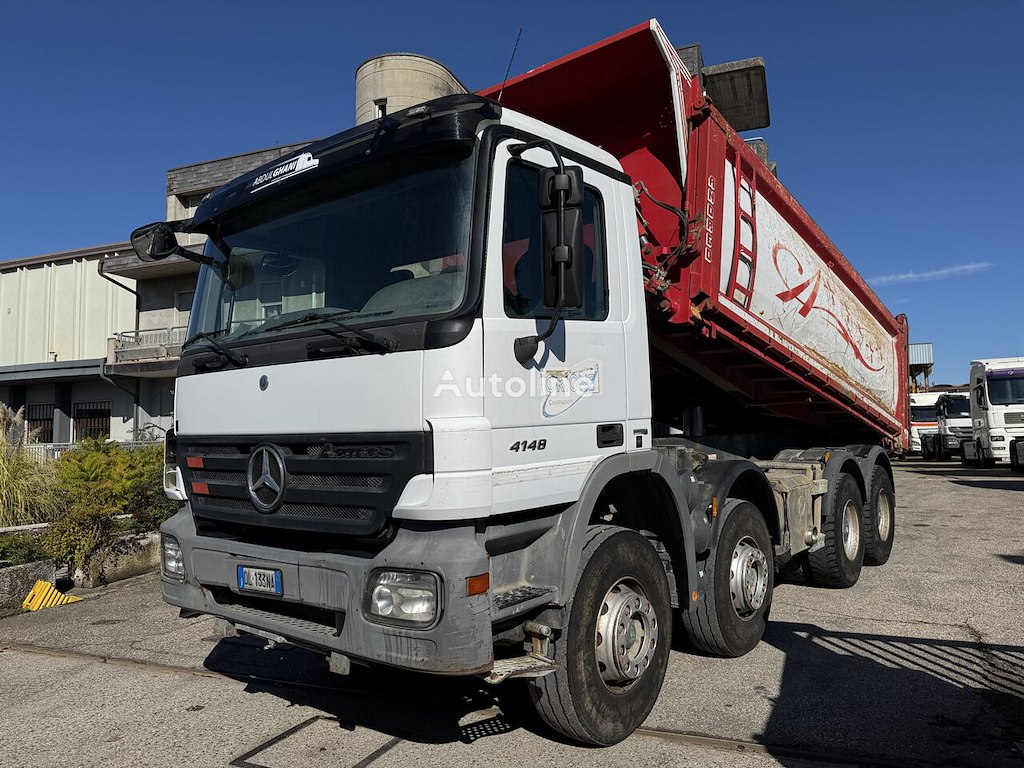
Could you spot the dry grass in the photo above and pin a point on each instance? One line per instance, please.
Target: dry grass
(28, 488)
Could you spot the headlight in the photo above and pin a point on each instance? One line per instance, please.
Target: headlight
(997, 438)
(172, 561)
(402, 597)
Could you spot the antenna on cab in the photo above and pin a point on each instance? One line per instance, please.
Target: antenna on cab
(509, 68)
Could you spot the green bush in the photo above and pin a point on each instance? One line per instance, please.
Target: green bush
(100, 481)
(21, 548)
(28, 488)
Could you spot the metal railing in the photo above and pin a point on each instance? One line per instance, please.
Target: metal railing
(51, 451)
(150, 338)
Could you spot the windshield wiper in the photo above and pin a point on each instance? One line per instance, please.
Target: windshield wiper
(238, 360)
(381, 344)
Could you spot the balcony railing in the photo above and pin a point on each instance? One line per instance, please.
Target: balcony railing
(150, 338)
(155, 344)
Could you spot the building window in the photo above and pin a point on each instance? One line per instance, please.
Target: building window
(39, 421)
(191, 202)
(92, 420)
(182, 307)
(382, 107)
(522, 266)
(271, 298)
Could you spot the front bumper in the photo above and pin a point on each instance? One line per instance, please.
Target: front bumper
(322, 602)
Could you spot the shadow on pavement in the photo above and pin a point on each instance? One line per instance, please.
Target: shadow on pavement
(1015, 559)
(427, 709)
(995, 484)
(892, 698)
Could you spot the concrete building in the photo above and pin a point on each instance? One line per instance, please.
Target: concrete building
(90, 338)
(56, 313)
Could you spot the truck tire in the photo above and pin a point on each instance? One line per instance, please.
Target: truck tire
(1014, 461)
(613, 652)
(963, 457)
(838, 563)
(729, 619)
(984, 461)
(880, 521)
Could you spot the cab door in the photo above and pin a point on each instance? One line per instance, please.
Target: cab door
(554, 418)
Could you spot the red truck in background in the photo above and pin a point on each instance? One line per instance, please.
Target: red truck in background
(504, 384)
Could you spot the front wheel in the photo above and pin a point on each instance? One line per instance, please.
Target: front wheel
(1014, 461)
(985, 462)
(613, 652)
(730, 617)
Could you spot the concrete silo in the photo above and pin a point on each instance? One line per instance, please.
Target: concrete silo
(394, 81)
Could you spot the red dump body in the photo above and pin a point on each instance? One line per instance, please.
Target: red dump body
(755, 297)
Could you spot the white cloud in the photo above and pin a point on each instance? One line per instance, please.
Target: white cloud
(957, 270)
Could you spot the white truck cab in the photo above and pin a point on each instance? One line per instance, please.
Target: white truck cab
(953, 412)
(922, 418)
(997, 409)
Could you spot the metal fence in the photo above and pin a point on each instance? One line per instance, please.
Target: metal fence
(52, 451)
(150, 338)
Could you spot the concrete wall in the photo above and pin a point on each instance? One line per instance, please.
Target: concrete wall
(157, 301)
(61, 308)
(156, 404)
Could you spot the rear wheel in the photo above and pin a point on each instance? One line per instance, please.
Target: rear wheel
(613, 652)
(880, 520)
(731, 616)
(839, 561)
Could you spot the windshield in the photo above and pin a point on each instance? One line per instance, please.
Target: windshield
(376, 245)
(958, 407)
(922, 413)
(1005, 389)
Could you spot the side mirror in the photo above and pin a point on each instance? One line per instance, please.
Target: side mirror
(239, 272)
(570, 252)
(154, 242)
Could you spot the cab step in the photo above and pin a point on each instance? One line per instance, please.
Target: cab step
(530, 665)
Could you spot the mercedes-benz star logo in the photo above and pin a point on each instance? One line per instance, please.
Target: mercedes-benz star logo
(266, 478)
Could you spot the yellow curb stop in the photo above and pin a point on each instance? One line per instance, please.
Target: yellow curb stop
(44, 595)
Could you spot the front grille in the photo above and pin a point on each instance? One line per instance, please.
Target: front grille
(300, 616)
(296, 510)
(298, 479)
(1014, 418)
(338, 484)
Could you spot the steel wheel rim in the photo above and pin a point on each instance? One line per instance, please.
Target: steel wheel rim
(748, 578)
(851, 530)
(884, 516)
(626, 636)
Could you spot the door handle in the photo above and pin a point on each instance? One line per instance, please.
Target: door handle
(609, 435)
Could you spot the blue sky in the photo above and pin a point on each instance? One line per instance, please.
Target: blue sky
(897, 125)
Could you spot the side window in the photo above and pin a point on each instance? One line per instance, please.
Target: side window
(521, 251)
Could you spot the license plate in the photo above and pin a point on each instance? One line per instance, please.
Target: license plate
(259, 580)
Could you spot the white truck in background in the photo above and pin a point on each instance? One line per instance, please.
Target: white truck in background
(997, 412)
(923, 420)
(953, 417)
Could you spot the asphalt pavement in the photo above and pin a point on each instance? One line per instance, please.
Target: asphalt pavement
(920, 664)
